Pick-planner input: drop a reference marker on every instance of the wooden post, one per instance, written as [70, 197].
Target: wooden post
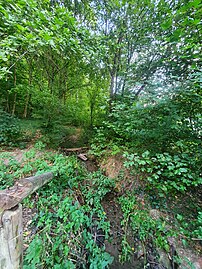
[11, 241]
[11, 232]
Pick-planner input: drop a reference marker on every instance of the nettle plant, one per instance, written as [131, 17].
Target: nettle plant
[64, 238]
[63, 228]
[148, 230]
[97, 187]
[164, 171]
[8, 170]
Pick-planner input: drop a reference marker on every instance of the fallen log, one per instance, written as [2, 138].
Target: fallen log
[22, 188]
[74, 149]
[11, 232]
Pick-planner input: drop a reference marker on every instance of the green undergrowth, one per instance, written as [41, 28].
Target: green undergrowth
[172, 184]
[9, 129]
[70, 225]
[146, 230]
[152, 230]
[166, 172]
[169, 183]
[20, 133]
[68, 214]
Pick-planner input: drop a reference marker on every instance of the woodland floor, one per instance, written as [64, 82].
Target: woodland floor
[112, 208]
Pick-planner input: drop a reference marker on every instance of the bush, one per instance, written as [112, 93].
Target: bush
[161, 125]
[166, 172]
[9, 129]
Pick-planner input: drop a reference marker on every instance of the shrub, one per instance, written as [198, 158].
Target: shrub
[166, 172]
[9, 129]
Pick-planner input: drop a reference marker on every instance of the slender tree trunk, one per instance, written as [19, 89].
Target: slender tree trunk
[111, 90]
[130, 52]
[118, 63]
[26, 105]
[91, 114]
[114, 71]
[112, 86]
[15, 96]
[28, 91]
[14, 104]
[7, 108]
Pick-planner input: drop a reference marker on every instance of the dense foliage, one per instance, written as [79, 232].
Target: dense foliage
[63, 60]
[121, 76]
[68, 224]
[64, 230]
[9, 129]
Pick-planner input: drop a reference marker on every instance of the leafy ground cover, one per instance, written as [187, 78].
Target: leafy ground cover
[119, 209]
[62, 232]
[89, 220]
[156, 219]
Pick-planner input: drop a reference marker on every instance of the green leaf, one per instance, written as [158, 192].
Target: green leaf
[167, 24]
[20, 27]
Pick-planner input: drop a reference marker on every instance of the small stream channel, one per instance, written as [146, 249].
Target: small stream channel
[114, 216]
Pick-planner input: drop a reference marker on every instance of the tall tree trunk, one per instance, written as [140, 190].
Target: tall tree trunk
[15, 96]
[14, 104]
[91, 114]
[26, 105]
[111, 90]
[114, 71]
[7, 108]
[112, 82]
[28, 91]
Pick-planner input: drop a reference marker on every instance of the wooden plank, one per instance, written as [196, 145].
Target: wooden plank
[11, 239]
[11, 197]
[82, 157]
[74, 149]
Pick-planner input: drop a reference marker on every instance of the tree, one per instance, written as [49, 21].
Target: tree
[49, 46]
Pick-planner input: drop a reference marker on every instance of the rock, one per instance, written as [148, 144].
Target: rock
[140, 251]
[163, 259]
[198, 264]
[155, 214]
[188, 260]
[187, 257]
